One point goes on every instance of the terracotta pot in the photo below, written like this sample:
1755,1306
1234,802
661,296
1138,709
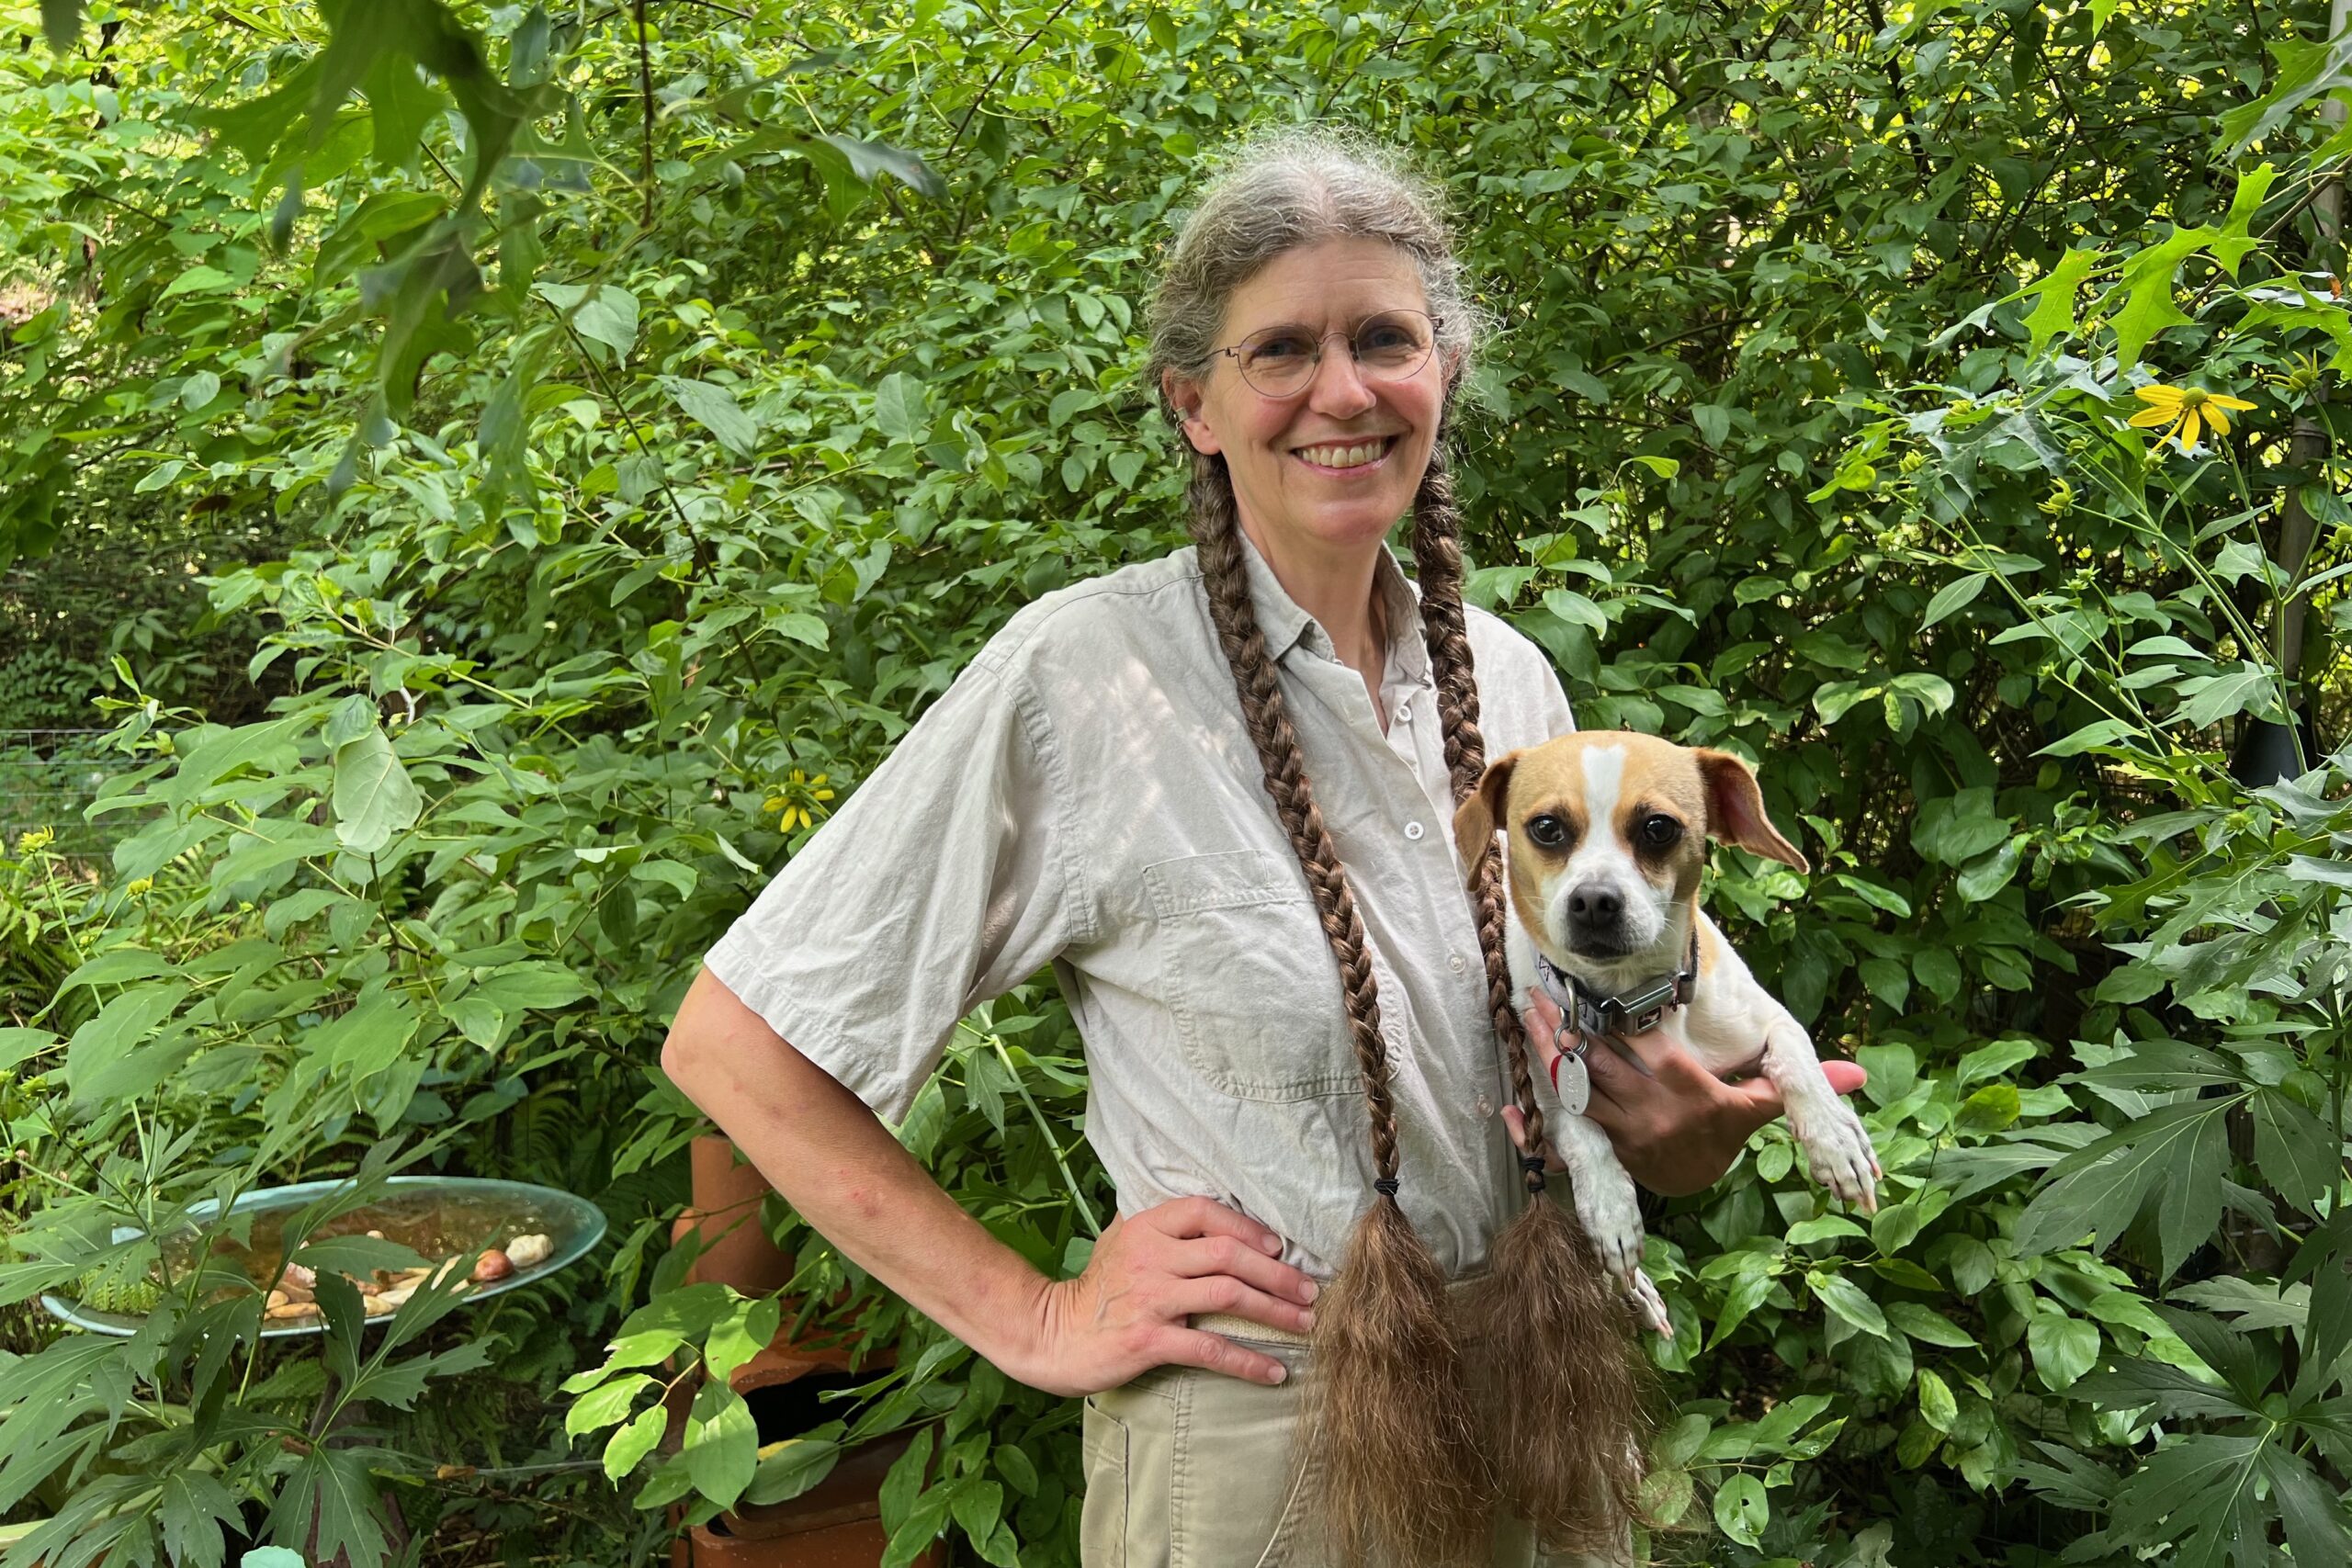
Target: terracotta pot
836,1524
728,1192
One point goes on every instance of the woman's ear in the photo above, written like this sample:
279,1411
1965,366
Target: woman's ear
1183,395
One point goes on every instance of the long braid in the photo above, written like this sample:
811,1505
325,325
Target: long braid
1267,711
1437,551
1549,1334
1389,1421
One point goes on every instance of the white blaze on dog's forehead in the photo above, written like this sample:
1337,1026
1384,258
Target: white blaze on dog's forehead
1604,778
1600,853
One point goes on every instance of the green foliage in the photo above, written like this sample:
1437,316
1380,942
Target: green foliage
659,417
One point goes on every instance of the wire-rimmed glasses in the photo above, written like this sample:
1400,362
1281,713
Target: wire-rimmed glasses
1388,345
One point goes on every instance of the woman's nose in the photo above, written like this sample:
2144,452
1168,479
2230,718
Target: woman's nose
1339,388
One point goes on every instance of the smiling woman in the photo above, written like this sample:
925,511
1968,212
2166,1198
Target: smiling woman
1331,1300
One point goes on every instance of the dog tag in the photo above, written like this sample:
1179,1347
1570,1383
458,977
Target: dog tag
1573,1083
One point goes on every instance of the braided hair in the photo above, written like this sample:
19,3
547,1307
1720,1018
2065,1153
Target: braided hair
1419,1428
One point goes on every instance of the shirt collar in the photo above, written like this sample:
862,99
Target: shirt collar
1284,624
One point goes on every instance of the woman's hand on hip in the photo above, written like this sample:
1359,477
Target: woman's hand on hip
1127,1313
1675,1125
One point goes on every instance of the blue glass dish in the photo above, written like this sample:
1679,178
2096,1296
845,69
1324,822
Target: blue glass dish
570,1222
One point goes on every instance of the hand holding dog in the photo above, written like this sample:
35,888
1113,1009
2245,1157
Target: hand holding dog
1128,1312
1675,1125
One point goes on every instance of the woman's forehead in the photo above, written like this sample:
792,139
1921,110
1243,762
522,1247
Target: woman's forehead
1333,280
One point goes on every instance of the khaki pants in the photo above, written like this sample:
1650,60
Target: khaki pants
1190,1469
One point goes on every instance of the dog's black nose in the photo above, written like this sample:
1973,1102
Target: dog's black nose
1594,906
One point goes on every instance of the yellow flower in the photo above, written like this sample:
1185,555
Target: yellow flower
35,839
140,887
2181,409
800,798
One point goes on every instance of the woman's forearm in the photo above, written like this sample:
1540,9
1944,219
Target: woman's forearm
838,1166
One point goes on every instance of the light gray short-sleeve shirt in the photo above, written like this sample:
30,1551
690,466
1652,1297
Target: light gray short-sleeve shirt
1086,796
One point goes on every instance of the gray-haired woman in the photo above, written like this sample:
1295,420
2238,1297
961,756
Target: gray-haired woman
1213,791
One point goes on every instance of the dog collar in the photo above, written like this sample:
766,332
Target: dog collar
1630,1012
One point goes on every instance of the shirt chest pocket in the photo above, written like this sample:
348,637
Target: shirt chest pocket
1249,977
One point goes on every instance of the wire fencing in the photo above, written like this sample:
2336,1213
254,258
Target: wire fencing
47,778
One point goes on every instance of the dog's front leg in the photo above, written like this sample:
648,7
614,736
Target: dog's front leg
1836,1146
1610,1209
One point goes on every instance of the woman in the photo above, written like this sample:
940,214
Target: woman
1205,788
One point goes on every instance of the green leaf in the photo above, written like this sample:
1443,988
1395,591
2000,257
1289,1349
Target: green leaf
1929,1327
2063,1348
2097,1190
602,1406
740,1336
2100,732
1954,596
2312,1513
2054,315
715,408
271,1557
194,1507
791,1467
2148,308
61,22
633,1441
607,314
1850,1301
2297,1153
331,1496
1743,1510
722,1444
197,280
902,409
1938,1408
373,796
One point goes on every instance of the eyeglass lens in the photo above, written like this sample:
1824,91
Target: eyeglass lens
1388,347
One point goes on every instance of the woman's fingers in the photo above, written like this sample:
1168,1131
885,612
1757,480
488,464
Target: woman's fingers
1188,1217
1224,1293
1208,1258
1543,1021
1194,1348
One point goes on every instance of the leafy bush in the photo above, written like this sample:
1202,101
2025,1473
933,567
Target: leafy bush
667,405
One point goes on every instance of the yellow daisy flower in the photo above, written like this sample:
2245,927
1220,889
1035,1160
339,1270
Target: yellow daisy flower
800,798
2184,411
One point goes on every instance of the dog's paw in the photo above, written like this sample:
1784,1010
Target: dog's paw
1611,1214
1838,1151
1648,1306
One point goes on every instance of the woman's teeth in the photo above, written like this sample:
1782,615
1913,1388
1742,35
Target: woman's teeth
1346,456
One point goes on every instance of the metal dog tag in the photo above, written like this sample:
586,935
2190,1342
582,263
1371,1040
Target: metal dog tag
1573,1083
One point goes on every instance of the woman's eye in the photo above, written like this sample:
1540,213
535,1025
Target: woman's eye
1278,348
1548,831
1661,832
1386,337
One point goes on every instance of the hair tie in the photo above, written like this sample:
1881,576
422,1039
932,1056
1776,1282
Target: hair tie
1387,1187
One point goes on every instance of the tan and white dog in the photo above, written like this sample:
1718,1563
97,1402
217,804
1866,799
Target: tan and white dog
1608,834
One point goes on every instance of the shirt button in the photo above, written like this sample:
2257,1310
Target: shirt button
1414,830
1405,714
1456,962
1485,1108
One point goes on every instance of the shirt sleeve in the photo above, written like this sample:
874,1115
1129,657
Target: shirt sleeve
948,877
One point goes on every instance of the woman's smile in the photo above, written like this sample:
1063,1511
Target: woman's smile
1355,458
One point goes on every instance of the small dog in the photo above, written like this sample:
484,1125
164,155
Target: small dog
1608,833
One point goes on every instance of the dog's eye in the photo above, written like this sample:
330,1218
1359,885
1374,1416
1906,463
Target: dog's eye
1660,832
1548,831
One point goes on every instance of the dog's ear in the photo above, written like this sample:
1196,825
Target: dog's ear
1475,819
1735,810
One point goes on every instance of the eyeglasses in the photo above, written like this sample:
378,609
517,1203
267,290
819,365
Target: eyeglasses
1391,346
